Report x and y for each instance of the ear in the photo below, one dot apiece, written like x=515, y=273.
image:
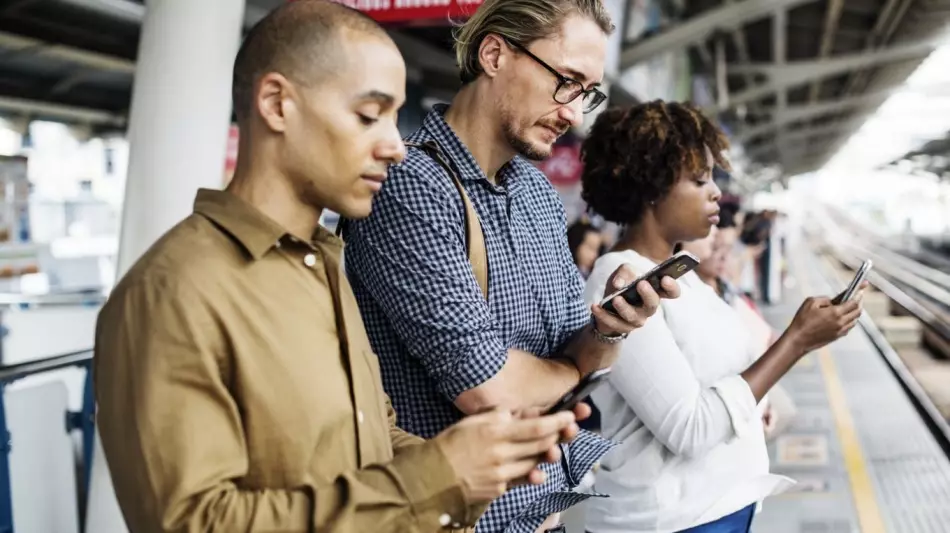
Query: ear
x=272, y=100
x=492, y=54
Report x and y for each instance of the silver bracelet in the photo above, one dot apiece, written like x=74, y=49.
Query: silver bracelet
x=606, y=339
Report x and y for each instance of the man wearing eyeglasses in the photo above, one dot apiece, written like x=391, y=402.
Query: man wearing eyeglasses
x=449, y=343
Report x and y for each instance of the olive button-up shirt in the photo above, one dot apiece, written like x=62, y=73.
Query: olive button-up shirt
x=238, y=392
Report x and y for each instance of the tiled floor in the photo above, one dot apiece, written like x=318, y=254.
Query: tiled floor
x=863, y=459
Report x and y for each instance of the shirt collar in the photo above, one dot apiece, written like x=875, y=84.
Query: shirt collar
x=457, y=152
x=254, y=230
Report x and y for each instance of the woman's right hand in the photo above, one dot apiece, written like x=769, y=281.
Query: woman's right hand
x=818, y=322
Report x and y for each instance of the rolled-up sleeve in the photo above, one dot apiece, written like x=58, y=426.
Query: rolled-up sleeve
x=410, y=257
x=173, y=437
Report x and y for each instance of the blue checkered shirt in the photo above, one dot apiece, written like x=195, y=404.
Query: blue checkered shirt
x=430, y=325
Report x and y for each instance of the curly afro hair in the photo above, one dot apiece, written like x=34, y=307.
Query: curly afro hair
x=633, y=156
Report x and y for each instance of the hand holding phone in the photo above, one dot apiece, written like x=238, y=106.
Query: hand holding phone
x=674, y=267
x=579, y=392
x=852, y=287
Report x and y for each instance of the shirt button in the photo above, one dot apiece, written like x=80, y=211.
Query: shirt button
x=277, y=244
x=444, y=520
x=456, y=525
x=359, y=416
x=310, y=260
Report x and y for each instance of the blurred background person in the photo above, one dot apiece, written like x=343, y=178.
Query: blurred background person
x=718, y=255
x=586, y=242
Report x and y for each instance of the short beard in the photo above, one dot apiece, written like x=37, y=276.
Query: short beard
x=519, y=145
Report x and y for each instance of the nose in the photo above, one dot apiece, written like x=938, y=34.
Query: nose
x=391, y=149
x=573, y=113
x=716, y=192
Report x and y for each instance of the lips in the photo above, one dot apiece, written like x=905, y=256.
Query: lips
x=374, y=180
x=714, y=218
x=556, y=129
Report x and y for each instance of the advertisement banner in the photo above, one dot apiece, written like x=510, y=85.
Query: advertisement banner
x=564, y=166
x=395, y=11
x=230, y=157
x=563, y=169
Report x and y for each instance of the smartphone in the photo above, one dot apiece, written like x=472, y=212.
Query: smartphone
x=848, y=293
x=582, y=390
x=674, y=267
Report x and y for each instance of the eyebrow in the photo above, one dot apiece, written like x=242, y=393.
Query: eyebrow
x=579, y=76
x=382, y=98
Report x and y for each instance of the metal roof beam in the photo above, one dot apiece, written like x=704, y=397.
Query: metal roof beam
x=35, y=47
x=808, y=111
x=20, y=106
x=798, y=72
x=794, y=72
x=699, y=28
x=801, y=135
x=134, y=12
x=832, y=17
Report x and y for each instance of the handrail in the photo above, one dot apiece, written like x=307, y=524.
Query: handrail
x=56, y=298
x=922, y=402
x=885, y=280
x=881, y=248
x=884, y=277
x=17, y=371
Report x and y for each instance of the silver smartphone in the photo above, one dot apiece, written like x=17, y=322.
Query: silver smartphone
x=859, y=277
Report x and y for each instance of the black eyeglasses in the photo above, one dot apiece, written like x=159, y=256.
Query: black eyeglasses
x=567, y=89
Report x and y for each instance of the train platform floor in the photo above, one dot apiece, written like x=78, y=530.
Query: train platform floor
x=863, y=458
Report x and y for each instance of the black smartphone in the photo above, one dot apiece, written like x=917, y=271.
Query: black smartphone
x=674, y=267
x=582, y=390
x=860, y=276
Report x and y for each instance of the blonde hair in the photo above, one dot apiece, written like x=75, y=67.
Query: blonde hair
x=520, y=21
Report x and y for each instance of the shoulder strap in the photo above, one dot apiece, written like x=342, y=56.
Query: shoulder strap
x=474, y=236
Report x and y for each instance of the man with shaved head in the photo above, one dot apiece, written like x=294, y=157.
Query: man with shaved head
x=236, y=386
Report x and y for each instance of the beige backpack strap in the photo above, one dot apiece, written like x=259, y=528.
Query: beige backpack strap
x=474, y=236
x=475, y=240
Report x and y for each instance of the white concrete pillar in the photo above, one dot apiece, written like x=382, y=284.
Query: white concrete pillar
x=617, y=10
x=181, y=106
x=178, y=130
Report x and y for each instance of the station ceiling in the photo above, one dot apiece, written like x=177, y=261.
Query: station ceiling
x=793, y=79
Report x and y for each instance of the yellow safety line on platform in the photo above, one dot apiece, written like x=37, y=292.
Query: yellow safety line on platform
x=865, y=501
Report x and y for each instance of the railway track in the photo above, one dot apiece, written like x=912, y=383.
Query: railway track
x=907, y=312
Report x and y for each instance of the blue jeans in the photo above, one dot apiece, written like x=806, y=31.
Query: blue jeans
x=737, y=522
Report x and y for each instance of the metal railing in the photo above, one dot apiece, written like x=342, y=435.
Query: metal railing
x=82, y=421
x=889, y=279
x=93, y=296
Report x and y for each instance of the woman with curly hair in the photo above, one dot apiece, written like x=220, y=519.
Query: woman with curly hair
x=682, y=398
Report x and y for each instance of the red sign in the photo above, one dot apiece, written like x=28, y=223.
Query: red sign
x=230, y=156
x=414, y=10
x=564, y=166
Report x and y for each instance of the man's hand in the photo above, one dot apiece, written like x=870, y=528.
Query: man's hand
x=492, y=450
x=628, y=317
x=581, y=412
